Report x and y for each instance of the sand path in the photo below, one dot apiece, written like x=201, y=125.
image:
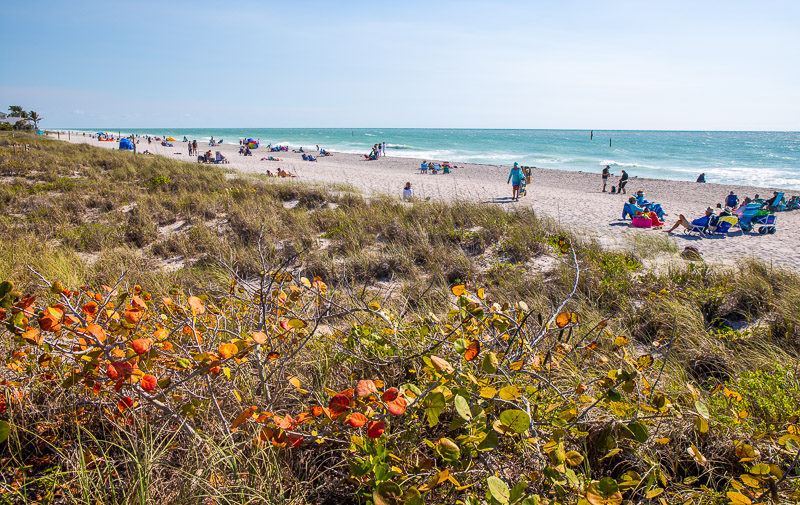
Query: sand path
x=573, y=199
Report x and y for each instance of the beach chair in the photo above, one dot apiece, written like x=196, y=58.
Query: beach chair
x=724, y=225
x=748, y=215
x=731, y=201
x=305, y=158
x=776, y=202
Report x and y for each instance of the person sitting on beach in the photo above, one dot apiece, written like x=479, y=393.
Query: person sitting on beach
x=423, y=168
x=649, y=206
x=408, y=194
x=774, y=202
x=632, y=209
x=702, y=178
x=699, y=222
x=514, y=178
x=739, y=212
x=732, y=200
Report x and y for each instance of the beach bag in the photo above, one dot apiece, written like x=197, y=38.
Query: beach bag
x=613, y=189
x=642, y=222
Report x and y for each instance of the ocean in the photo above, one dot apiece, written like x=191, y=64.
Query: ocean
x=749, y=158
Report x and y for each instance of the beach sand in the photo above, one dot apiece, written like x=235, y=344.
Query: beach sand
x=574, y=199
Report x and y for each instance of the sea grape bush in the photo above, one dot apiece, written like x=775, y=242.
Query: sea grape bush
x=486, y=401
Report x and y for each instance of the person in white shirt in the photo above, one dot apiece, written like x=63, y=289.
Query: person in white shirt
x=408, y=193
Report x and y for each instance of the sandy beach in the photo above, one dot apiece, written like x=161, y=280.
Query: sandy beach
x=574, y=199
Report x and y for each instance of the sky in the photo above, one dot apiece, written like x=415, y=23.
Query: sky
x=699, y=65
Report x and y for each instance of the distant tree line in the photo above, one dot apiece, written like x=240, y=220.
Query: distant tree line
x=25, y=119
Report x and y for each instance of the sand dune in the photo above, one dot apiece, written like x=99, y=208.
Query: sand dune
x=573, y=199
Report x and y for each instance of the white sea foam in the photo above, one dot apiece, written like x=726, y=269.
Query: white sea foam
x=613, y=163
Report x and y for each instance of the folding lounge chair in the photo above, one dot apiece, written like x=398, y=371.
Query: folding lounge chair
x=748, y=215
x=724, y=225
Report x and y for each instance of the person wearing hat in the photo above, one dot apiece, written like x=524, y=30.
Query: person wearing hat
x=514, y=179
x=701, y=221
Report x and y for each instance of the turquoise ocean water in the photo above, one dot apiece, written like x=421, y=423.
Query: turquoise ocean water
x=751, y=158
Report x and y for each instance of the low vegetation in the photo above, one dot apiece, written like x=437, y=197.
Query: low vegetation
x=180, y=334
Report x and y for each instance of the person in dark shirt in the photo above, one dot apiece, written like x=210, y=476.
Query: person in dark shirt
x=623, y=180
x=606, y=173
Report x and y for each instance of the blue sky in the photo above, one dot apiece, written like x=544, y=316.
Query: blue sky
x=503, y=64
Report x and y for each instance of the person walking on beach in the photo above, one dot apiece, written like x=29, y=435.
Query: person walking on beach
x=514, y=178
x=383, y=149
x=623, y=180
x=606, y=173
x=190, y=148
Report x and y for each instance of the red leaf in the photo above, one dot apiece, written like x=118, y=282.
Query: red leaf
x=125, y=404
x=118, y=370
x=375, y=429
x=339, y=404
x=390, y=394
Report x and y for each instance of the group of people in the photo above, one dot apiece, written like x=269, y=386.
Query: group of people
x=281, y=173
x=623, y=181
x=192, y=146
x=378, y=150
x=429, y=167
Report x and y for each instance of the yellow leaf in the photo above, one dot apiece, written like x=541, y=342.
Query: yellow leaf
x=738, y=498
x=459, y=289
x=294, y=381
x=481, y=295
x=620, y=341
x=662, y=441
x=488, y=392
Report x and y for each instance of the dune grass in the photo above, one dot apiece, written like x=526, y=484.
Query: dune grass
x=84, y=216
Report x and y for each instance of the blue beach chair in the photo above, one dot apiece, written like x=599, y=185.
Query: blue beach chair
x=749, y=214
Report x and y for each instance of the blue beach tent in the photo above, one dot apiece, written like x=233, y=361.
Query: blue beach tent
x=126, y=144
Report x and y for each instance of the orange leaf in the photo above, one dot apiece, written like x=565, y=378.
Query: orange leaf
x=91, y=308
x=317, y=410
x=273, y=355
x=365, y=388
x=243, y=416
x=197, y=306
x=133, y=316
x=141, y=345
x=563, y=319
x=376, y=429
x=441, y=365
x=284, y=423
x=138, y=303
x=227, y=350
x=390, y=394
x=459, y=289
x=357, y=419
x=347, y=392
x=148, y=383
x=397, y=406
x=473, y=349
x=259, y=337
x=96, y=331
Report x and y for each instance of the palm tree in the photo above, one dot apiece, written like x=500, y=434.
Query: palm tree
x=16, y=111
x=35, y=117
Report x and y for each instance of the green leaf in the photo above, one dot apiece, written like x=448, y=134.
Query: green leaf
x=462, y=407
x=517, y=420
x=5, y=430
x=5, y=288
x=489, y=363
x=489, y=443
x=434, y=405
x=639, y=432
x=701, y=409
x=297, y=323
x=498, y=489
x=448, y=449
